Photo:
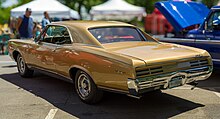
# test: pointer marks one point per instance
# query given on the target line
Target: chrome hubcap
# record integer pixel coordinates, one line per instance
(21, 65)
(84, 85)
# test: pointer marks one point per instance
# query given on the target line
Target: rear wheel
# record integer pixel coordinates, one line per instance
(23, 70)
(86, 88)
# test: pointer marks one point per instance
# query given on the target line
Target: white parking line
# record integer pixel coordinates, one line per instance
(216, 93)
(188, 87)
(185, 87)
(51, 114)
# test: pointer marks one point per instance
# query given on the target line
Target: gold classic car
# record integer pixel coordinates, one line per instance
(112, 56)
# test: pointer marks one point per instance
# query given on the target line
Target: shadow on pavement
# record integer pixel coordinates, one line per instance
(61, 95)
(9, 66)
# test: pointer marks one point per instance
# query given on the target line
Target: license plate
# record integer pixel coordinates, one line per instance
(175, 81)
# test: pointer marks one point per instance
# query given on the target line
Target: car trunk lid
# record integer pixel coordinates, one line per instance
(151, 52)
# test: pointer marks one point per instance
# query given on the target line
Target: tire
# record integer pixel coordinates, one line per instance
(23, 70)
(86, 88)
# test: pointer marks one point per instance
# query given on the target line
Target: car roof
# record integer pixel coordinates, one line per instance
(82, 27)
(90, 24)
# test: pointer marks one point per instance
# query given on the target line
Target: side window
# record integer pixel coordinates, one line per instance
(214, 21)
(209, 27)
(56, 35)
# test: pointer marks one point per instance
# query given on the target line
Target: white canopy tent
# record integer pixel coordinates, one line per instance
(53, 7)
(116, 9)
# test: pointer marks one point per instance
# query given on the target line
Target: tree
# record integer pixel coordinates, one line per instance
(148, 4)
(210, 3)
(5, 12)
(78, 4)
(3, 16)
(21, 2)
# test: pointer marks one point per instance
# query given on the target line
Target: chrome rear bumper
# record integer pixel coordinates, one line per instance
(164, 81)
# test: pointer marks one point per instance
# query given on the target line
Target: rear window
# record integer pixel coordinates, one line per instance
(116, 34)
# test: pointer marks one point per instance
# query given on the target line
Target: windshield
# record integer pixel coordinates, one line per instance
(118, 34)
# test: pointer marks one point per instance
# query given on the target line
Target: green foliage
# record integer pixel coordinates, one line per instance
(210, 3)
(148, 4)
(77, 4)
(21, 2)
(5, 12)
(3, 16)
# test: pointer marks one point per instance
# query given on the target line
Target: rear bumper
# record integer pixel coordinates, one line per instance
(164, 81)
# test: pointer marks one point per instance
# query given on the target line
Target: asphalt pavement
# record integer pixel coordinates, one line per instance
(44, 97)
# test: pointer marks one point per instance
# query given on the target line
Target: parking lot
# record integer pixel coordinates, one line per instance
(44, 97)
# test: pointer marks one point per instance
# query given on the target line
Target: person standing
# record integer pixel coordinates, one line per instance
(25, 25)
(45, 20)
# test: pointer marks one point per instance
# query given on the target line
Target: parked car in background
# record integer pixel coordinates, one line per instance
(112, 56)
(207, 36)
(182, 15)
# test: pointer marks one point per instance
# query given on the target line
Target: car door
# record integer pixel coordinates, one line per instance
(215, 48)
(208, 28)
(212, 41)
(63, 55)
(44, 50)
(212, 46)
